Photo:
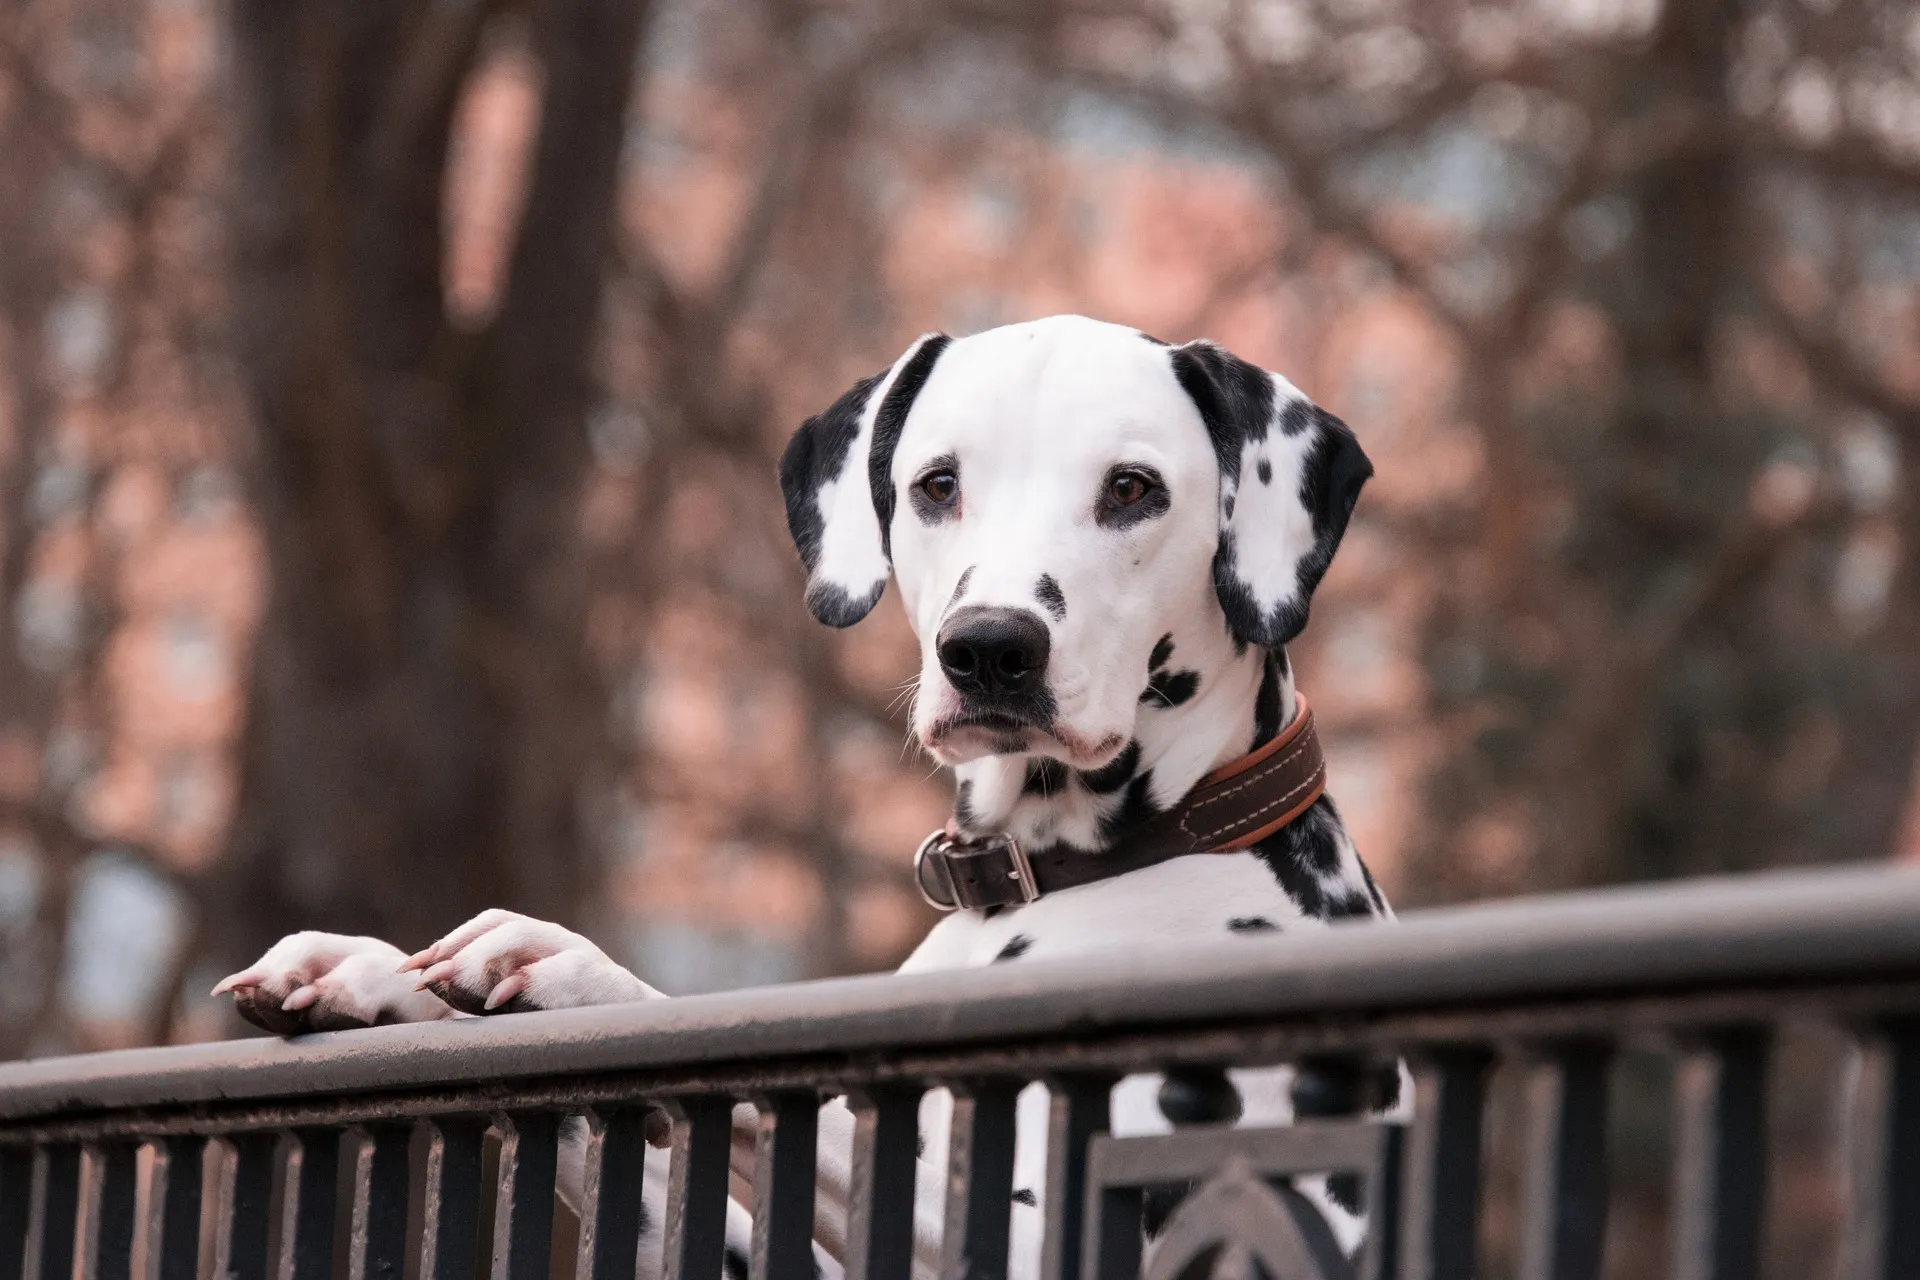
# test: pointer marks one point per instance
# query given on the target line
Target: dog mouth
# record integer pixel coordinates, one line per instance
(976, 723)
(970, 734)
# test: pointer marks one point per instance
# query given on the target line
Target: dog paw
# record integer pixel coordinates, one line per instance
(501, 962)
(327, 982)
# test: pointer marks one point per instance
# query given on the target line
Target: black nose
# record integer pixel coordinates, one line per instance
(988, 650)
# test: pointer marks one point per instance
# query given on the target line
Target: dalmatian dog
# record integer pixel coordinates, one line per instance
(1103, 544)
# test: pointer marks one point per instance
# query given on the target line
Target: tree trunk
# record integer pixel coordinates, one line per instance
(423, 712)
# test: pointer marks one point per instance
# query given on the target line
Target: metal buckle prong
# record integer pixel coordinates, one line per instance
(1022, 870)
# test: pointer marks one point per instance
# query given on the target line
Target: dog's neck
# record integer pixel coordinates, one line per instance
(1207, 701)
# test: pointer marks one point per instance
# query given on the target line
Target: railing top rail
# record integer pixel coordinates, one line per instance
(1735, 932)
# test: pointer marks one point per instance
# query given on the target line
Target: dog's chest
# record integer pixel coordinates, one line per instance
(1207, 897)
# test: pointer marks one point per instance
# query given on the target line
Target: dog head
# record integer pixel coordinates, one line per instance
(1054, 498)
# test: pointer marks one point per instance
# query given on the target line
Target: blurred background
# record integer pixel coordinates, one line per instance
(389, 398)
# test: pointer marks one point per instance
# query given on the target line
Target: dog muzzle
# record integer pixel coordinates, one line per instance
(1233, 808)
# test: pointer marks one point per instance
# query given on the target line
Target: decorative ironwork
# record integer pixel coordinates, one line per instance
(110, 1159)
(1245, 1201)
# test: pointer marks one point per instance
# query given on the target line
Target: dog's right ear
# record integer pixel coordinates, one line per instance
(837, 478)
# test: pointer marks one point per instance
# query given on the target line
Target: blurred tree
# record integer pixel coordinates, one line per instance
(421, 681)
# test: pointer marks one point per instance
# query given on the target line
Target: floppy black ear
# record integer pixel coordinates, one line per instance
(836, 476)
(1290, 473)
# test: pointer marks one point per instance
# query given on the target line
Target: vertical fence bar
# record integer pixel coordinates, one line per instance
(1113, 1228)
(107, 1190)
(886, 1131)
(377, 1235)
(523, 1213)
(1883, 1236)
(1719, 1184)
(172, 1228)
(243, 1204)
(1564, 1186)
(450, 1227)
(1077, 1108)
(59, 1209)
(16, 1210)
(1380, 1252)
(611, 1210)
(697, 1187)
(306, 1210)
(979, 1181)
(1440, 1194)
(783, 1186)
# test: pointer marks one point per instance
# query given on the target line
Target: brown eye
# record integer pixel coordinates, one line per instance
(940, 487)
(1128, 487)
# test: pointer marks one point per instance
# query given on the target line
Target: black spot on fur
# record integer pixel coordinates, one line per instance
(1170, 688)
(1018, 945)
(1048, 592)
(1345, 906)
(1135, 807)
(1167, 688)
(1045, 777)
(1235, 399)
(1296, 416)
(734, 1263)
(890, 422)
(815, 456)
(1304, 856)
(1344, 1190)
(1236, 402)
(839, 608)
(1267, 711)
(1385, 1090)
(1114, 774)
(1026, 1197)
(1265, 471)
(1373, 891)
(1329, 1086)
(1252, 924)
(960, 587)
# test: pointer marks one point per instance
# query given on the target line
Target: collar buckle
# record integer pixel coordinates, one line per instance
(953, 873)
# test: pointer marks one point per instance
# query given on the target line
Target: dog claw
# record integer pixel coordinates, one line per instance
(444, 971)
(418, 960)
(244, 978)
(303, 998)
(507, 990)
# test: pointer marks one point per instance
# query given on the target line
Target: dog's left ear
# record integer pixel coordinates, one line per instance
(1289, 475)
(837, 478)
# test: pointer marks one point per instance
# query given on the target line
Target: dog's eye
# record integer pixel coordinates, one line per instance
(940, 487)
(1128, 487)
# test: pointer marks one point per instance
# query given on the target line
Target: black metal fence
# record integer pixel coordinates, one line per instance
(432, 1151)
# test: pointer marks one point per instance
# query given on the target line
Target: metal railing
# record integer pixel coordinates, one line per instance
(235, 1159)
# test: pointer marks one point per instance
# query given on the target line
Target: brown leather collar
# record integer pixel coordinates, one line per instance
(1233, 808)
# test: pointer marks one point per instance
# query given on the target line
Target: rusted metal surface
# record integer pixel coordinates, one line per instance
(1557, 986)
